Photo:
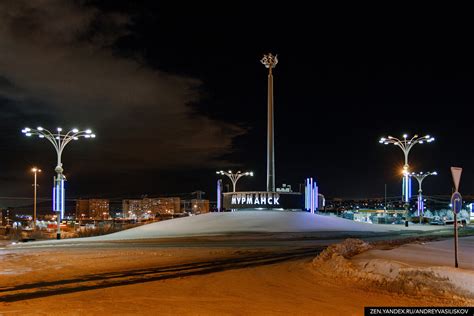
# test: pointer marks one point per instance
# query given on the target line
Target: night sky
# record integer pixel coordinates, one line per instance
(176, 93)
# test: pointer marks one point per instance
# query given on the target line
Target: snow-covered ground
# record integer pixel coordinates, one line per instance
(253, 222)
(433, 259)
(144, 278)
(131, 280)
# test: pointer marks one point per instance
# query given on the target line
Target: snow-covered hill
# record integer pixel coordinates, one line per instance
(251, 222)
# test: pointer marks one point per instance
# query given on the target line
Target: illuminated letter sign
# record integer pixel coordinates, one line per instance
(249, 199)
(275, 199)
(256, 201)
(262, 200)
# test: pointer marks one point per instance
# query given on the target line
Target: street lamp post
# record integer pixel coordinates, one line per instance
(406, 144)
(420, 177)
(35, 171)
(234, 177)
(59, 140)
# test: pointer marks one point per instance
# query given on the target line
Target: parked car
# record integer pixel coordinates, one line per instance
(437, 221)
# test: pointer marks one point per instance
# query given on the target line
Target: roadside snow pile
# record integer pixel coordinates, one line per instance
(448, 278)
(347, 249)
(393, 276)
(334, 260)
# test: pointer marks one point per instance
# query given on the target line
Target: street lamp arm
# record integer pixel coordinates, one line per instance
(234, 177)
(420, 181)
(421, 176)
(43, 133)
(406, 144)
(70, 136)
(393, 139)
(239, 175)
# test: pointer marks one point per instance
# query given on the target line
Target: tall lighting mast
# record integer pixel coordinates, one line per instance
(270, 61)
(59, 140)
(406, 144)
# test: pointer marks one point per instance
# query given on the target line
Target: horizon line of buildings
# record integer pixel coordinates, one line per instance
(143, 208)
(102, 209)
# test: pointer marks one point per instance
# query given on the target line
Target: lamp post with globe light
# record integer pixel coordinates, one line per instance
(234, 177)
(420, 176)
(406, 144)
(59, 140)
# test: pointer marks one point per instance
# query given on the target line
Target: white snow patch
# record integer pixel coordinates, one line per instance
(249, 222)
(433, 260)
(437, 253)
(213, 224)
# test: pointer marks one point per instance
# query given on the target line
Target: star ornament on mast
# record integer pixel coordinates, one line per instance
(269, 60)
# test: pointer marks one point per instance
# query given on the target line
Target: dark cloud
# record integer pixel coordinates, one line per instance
(56, 61)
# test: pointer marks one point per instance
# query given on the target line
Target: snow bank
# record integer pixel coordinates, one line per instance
(392, 275)
(437, 253)
(245, 222)
(250, 222)
(459, 281)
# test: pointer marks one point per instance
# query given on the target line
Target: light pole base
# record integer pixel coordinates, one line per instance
(58, 235)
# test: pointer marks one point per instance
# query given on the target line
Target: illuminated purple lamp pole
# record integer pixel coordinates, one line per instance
(406, 144)
(59, 140)
(311, 195)
(219, 195)
(420, 177)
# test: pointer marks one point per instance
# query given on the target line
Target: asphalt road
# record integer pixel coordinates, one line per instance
(281, 240)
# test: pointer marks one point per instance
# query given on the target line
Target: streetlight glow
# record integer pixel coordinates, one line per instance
(234, 177)
(406, 145)
(59, 140)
